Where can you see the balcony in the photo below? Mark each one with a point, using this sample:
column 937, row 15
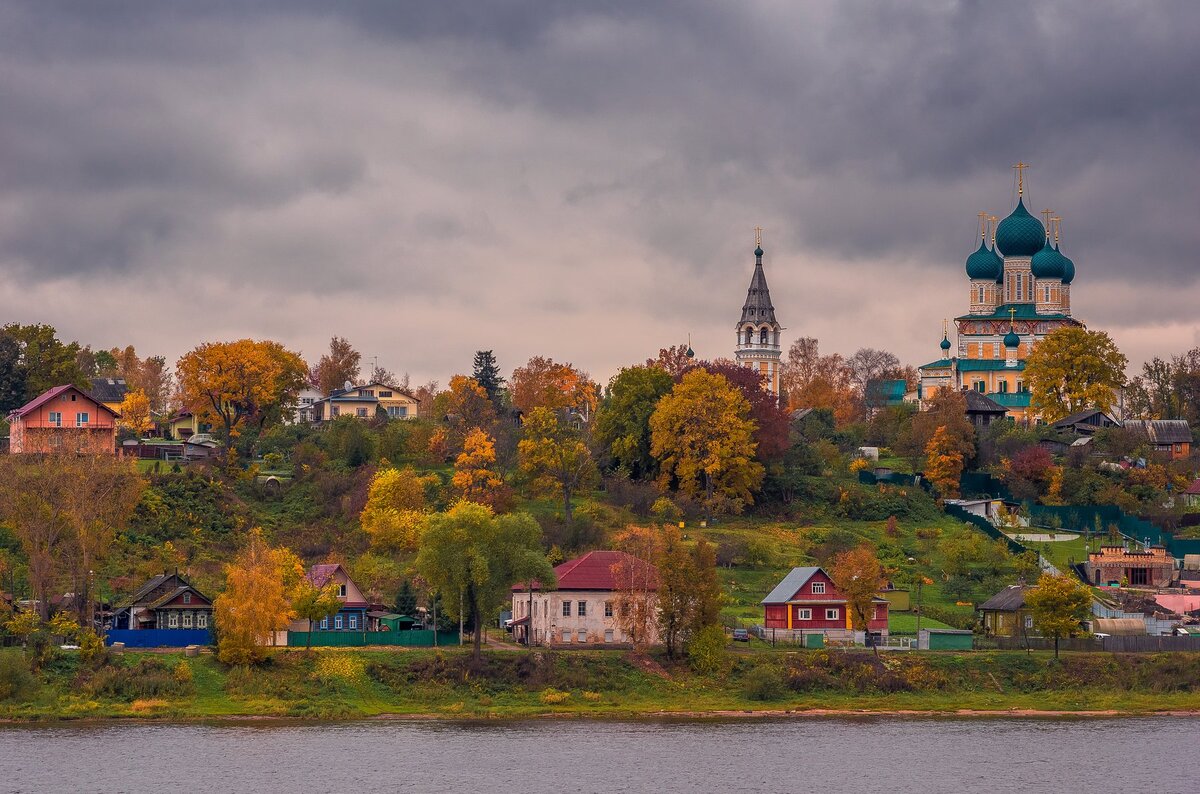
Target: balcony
column 751, row 346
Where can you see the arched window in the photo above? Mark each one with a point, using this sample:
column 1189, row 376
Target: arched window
column 748, row 335
column 762, row 336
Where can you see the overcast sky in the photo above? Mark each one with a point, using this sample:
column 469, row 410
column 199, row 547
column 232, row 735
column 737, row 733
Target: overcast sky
column 431, row 178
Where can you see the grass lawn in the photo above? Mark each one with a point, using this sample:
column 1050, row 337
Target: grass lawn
column 906, row 623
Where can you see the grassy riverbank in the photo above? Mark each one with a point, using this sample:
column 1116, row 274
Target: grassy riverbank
column 345, row 684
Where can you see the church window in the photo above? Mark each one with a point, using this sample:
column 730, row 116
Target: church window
column 748, row 337
column 762, row 336
column 980, row 295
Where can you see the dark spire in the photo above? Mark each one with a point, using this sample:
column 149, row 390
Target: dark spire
column 758, row 307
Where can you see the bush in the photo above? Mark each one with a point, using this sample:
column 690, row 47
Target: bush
column 553, row 697
column 148, row 678
column 16, row 682
column 706, row 651
column 764, row 684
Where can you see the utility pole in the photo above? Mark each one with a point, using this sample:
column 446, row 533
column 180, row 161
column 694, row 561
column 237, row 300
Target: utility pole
column 460, row 617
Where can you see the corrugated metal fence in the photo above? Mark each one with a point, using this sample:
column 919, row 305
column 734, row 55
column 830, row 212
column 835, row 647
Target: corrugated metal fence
column 159, row 638
column 420, row 638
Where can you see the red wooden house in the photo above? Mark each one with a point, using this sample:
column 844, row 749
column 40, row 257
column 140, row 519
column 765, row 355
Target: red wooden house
column 808, row 602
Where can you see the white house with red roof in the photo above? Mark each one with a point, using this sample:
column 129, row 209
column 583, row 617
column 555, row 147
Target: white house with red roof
column 807, row 601
column 586, row 606
column 63, row 419
column 351, row 616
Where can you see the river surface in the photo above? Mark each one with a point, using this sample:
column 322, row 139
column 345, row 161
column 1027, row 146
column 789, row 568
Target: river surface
column 826, row 755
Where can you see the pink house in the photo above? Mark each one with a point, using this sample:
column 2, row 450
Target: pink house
column 63, row 419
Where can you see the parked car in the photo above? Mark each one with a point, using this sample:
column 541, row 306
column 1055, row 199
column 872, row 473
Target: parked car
column 741, row 635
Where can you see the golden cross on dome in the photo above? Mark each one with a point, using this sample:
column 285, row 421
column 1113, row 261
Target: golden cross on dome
column 992, row 220
column 1057, row 226
column 983, row 225
column 1046, row 221
column 1020, row 166
column 758, row 230
column 1012, row 315
column 945, row 329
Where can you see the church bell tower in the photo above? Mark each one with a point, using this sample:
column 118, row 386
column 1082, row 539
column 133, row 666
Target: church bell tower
column 758, row 330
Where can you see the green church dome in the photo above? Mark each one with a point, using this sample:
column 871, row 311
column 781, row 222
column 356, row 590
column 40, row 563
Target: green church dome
column 1011, row 339
column 945, row 343
column 982, row 264
column 1047, row 263
column 1020, row 234
column 1068, row 266
column 758, row 252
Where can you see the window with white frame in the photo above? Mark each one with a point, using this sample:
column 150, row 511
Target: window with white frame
column 337, row 621
column 187, row 598
column 187, row 620
column 82, row 418
column 566, row 609
column 582, row 636
column 201, row 620
column 361, row 412
column 818, row 588
column 56, row 418
column 608, row 609
column 353, row 622
column 566, row 635
column 608, row 635
column 804, row 614
column 831, row 614
column 173, row 620
column 1029, row 621
column 582, row 609
column 324, row 623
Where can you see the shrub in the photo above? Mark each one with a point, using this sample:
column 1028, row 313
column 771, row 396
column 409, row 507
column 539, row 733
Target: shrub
column 16, row 682
column 183, row 674
column 706, row 651
column 553, row 697
column 763, row 683
column 147, row 679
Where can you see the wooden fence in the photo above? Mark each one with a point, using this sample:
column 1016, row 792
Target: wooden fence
column 1143, row 643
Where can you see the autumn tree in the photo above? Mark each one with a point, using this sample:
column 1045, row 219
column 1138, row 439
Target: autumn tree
column 946, row 409
column 622, row 424
column 859, row 576
column 465, row 406
column 544, row 383
column 313, row 604
column 336, row 368
column 945, row 463
column 810, row 380
column 135, row 413
column 1072, row 369
column 636, row 579
column 230, row 383
column 486, row 372
column 1167, row 389
column 475, row 475
column 673, row 360
column 772, row 422
column 689, row 594
column 554, row 452
column 703, row 438
column 396, row 508
column 470, row 553
column 255, row 602
column 1059, row 605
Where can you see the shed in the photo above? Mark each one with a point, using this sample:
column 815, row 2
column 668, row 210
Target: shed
column 392, row 622
column 1119, row 627
column 945, row 640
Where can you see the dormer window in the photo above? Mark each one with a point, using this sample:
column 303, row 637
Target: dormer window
column 187, row 598
column 818, row 588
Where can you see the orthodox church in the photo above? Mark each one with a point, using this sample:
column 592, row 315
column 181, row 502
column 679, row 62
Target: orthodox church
column 757, row 343
column 1020, row 291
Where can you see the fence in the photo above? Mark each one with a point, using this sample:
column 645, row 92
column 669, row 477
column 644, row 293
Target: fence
column 159, row 638
column 1142, row 643
column 984, row 526
column 1093, row 518
column 420, row 638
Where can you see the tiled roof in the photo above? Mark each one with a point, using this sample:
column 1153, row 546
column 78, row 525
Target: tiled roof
column 50, row 394
column 594, row 571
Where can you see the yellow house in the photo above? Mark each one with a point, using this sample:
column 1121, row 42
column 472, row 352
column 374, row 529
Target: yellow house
column 184, row 424
column 365, row 402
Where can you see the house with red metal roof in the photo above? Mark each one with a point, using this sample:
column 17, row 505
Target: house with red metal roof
column 351, row 616
column 63, row 419
column 602, row 598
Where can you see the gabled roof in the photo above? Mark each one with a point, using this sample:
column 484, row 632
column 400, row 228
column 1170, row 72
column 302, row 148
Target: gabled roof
column 1162, row 431
column 979, row 404
column 50, row 394
column 594, row 571
column 178, row 591
column 1009, row 599
column 791, row 584
column 1082, row 416
column 1193, row 489
column 320, row 575
column 108, row 390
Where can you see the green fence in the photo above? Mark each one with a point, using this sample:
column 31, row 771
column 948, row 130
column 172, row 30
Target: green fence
column 421, row 638
column 1098, row 518
column 984, row 526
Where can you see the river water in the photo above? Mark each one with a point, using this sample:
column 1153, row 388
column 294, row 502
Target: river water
column 827, row 755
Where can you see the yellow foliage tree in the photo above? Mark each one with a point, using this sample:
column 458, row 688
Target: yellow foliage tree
column 1059, row 605
column 859, row 576
column 1073, row 369
column 395, row 509
column 703, row 437
column 256, row 601
column 474, row 476
column 229, row 383
column 135, row 413
column 544, row 383
column 554, row 452
column 945, row 465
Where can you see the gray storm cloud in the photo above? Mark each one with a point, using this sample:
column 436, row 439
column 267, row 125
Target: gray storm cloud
column 429, row 179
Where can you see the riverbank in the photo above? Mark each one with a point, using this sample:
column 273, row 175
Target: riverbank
column 426, row 684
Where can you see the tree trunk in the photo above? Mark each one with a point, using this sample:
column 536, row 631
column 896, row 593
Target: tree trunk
column 477, row 652
column 1056, row 647
column 708, row 496
column 567, row 502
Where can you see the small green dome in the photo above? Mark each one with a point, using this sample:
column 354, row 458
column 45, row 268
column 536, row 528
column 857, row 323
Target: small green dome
column 1047, row 263
column 999, row 265
column 1068, row 266
column 982, row 264
column 1011, row 339
column 945, row 343
column 1020, row 234
column 690, row 353
column 758, row 252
